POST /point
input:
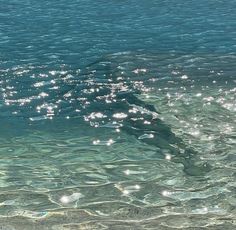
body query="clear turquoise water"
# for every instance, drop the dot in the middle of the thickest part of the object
(117, 114)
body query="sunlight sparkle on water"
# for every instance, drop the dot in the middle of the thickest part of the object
(70, 198)
(127, 190)
(168, 157)
(136, 71)
(110, 142)
(184, 77)
(120, 115)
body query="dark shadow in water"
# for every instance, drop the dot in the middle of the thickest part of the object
(105, 94)
(119, 81)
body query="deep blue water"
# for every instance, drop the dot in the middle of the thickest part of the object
(117, 114)
(76, 32)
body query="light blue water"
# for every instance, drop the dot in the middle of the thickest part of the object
(117, 114)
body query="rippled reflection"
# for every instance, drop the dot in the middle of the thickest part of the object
(133, 137)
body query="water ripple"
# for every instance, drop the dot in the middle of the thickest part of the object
(92, 140)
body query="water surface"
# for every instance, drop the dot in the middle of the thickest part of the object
(117, 115)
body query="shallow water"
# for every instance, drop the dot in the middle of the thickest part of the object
(117, 115)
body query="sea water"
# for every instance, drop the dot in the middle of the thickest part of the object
(117, 114)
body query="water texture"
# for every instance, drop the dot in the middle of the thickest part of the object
(117, 114)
